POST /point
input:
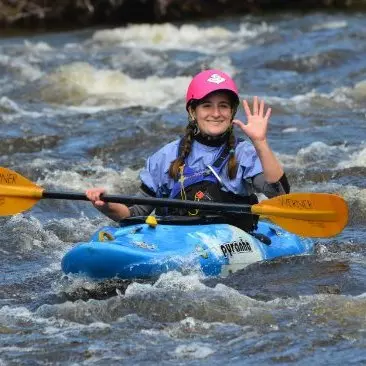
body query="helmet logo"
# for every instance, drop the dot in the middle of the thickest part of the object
(215, 78)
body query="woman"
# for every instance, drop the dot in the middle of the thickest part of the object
(209, 162)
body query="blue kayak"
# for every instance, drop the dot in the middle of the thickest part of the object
(147, 248)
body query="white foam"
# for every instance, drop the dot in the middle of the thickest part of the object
(357, 159)
(80, 84)
(99, 176)
(29, 234)
(163, 36)
(207, 40)
(22, 69)
(316, 154)
(337, 24)
(359, 91)
(194, 350)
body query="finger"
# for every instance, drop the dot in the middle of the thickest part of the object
(261, 108)
(94, 196)
(237, 122)
(99, 203)
(94, 192)
(255, 105)
(240, 124)
(246, 108)
(89, 194)
(268, 113)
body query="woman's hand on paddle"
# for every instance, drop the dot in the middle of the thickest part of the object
(94, 194)
(257, 121)
(115, 211)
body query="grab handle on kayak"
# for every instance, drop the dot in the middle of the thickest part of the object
(105, 236)
(151, 221)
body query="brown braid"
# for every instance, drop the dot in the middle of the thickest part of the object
(232, 164)
(187, 144)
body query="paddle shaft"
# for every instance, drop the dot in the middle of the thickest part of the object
(307, 214)
(156, 202)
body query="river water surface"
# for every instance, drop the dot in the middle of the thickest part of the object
(83, 109)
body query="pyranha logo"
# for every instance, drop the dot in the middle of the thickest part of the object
(239, 246)
(215, 78)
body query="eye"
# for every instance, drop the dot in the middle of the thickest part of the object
(206, 105)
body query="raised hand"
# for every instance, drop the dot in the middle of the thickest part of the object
(257, 121)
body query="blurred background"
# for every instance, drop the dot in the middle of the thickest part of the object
(46, 14)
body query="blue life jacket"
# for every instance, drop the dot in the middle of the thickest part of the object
(190, 177)
(205, 185)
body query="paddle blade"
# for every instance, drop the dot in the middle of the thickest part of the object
(307, 214)
(17, 194)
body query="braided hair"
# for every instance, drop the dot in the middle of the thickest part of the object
(187, 145)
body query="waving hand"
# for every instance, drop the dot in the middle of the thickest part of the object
(257, 121)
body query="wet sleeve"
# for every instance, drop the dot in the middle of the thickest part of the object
(271, 189)
(142, 210)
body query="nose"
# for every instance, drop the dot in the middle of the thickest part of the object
(216, 111)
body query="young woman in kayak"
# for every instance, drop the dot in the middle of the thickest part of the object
(209, 162)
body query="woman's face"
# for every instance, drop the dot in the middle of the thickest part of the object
(213, 114)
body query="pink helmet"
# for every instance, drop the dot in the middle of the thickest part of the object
(207, 82)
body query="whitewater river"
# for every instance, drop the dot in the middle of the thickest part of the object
(83, 109)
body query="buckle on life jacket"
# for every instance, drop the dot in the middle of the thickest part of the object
(199, 195)
(214, 172)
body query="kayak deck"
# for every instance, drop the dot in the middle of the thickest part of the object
(141, 250)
